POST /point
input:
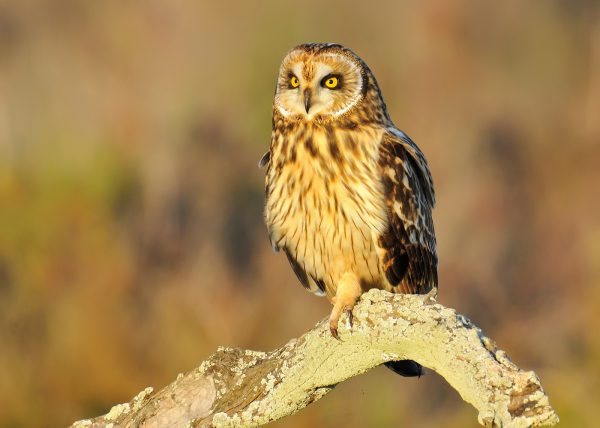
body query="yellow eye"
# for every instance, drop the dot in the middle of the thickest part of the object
(294, 82)
(332, 82)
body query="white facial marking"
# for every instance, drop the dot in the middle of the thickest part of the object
(282, 110)
(292, 103)
(356, 97)
(297, 71)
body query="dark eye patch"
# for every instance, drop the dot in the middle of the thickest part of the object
(292, 81)
(332, 76)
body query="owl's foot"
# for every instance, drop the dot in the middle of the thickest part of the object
(348, 292)
(334, 321)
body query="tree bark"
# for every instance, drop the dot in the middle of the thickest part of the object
(242, 388)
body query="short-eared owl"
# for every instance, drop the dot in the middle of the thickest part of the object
(349, 195)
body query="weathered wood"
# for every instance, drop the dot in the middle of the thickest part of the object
(241, 388)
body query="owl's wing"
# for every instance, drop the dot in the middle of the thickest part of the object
(309, 282)
(266, 158)
(410, 260)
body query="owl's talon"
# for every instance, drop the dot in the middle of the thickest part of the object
(334, 322)
(347, 293)
(334, 332)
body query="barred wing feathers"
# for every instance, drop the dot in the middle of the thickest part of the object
(409, 248)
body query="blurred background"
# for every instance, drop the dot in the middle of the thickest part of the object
(131, 234)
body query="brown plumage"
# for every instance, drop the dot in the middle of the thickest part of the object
(348, 195)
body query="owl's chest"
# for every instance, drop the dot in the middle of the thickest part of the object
(325, 202)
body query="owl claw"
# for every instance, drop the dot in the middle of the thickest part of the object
(333, 323)
(347, 293)
(334, 332)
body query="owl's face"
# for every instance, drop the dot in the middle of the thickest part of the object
(319, 81)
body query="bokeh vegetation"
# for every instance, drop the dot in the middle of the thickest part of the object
(131, 234)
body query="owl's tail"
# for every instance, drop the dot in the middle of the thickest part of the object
(406, 368)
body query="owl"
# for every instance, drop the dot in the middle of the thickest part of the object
(349, 196)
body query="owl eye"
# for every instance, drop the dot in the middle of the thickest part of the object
(331, 82)
(294, 82)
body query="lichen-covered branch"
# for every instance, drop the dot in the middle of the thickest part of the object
(239, 388)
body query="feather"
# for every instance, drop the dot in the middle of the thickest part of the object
(410, 261)
(264, 160)
(309, 282)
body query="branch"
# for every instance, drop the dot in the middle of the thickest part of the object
(240, 388)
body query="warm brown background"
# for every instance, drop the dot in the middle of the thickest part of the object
(131, 234)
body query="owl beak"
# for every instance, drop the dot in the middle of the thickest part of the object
(307, 100)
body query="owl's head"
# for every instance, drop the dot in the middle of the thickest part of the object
(324, 81)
